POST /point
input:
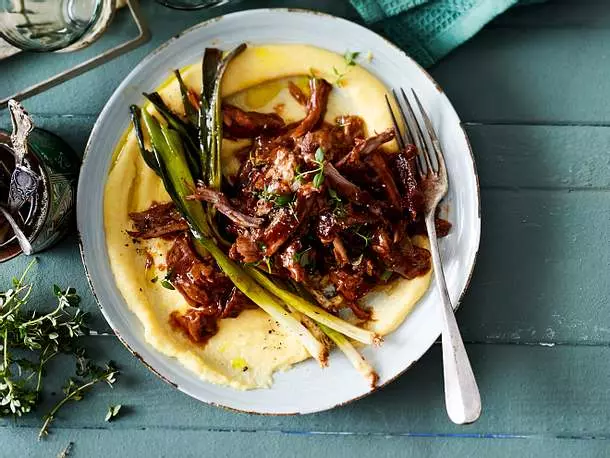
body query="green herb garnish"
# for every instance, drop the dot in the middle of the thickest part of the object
(167, 284)
(304, 258)
(113, 412)
(385, 276)
(318, 178)
(349, 57)
(29, 340)
(89, 375)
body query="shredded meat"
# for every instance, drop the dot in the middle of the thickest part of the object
(297, 93)
(160, 220)
(249, 124)
(385, 175)
(406, 168)
(365, 147)
(222, 204)
(210, 292)
(320, 89)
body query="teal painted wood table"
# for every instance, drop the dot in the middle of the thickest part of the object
(532, 89)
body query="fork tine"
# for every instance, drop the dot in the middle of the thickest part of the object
(438, 152)
(399, 139)
(408, 138)
(422, 146)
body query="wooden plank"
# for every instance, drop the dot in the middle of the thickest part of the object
(541, 271)
(557, 13)
(227, 444)
(505, 75)
(560, 391)
(558, 157)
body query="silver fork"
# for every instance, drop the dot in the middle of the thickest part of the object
(462, 398)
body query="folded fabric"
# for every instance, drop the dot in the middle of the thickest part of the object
(428, 29)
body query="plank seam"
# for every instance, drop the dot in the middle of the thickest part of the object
(419, 434)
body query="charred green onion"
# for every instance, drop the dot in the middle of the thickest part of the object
(313, 311)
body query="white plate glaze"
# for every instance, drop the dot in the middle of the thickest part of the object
(305, 388)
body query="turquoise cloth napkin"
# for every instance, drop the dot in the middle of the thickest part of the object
(428, 29)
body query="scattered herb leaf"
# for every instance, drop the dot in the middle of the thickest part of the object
(350, 57)
(113, 411)
(318, 178)
(385, 276)
(90, 374)
(304, 257)
(65, 452)
(167, 284)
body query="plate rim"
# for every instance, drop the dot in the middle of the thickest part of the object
(151, 56)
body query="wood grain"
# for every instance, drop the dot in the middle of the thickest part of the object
(227, 444)
(531, 391)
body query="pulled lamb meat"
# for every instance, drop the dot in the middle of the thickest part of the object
(314, 202)
(160, 220)
(247, 124)
(208, 291)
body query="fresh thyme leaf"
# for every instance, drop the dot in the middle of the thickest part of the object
(167, 284)
(303, 257)
(385, 276)
(350, 57)
(267, 260)
(363, 235)
(76, 388)
(113, 411)
(319, 155)
(283, 200)
(318, 179)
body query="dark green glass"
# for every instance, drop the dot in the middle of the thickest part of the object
(47, 216)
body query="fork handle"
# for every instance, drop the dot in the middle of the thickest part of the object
(462, 398)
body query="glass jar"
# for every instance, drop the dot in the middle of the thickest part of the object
(50, 25)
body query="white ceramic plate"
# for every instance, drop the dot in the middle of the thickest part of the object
(305, 388)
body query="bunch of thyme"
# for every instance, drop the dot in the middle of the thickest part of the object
(30, 339)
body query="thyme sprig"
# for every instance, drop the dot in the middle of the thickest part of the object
(30, 339)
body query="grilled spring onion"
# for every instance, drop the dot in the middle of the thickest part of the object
(213, 69)
(354, 357)
(209, 67)
(343, 344)
(189, 109)
(214, 121)
(313, 311)
(186, 131)
(178, 181)
(148, 156)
